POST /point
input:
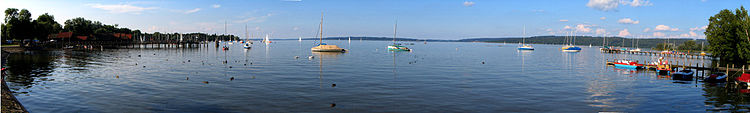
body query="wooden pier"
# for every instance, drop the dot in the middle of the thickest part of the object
(684, 55)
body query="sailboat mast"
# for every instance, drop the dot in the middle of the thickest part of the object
(395, 26)
(524, 35)
(321, 27)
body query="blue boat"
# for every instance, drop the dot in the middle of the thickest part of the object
(571, 49)
(686, 75)
(526, 47)
(627, 66)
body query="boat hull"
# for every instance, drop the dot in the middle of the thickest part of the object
(398, 48)
(687, 76)
(628, 66)
(525, 48)
(327, 48)
(571, 49)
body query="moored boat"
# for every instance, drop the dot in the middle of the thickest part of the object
(398, 47)
(686, 75)
(716, 78)
(571, 49)
(628, 64)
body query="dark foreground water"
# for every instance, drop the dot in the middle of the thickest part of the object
(435, 77)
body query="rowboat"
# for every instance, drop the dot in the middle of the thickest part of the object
(628, 64)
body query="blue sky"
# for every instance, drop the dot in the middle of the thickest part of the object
(423, 19)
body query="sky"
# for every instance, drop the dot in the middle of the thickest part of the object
(421, 19)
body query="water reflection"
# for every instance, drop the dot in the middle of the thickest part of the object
(24, 68)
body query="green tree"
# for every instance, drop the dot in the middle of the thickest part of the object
(18, 24)
(689, 45)
(727, 36)
(44, 25)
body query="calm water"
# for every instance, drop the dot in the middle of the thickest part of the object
(435, 77)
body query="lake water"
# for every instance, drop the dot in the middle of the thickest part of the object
(434, 77)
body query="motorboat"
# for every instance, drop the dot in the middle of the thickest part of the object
(686, 75)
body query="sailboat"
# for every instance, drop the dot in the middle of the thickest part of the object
(523, 45)
(397, 47)
(637, 49)
(300, 39)
(323, 47)
(247, 45)
(265, 40)
(570, 47)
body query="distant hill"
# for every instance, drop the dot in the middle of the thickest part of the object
(586, 40)
(580, 40)
(370, 38)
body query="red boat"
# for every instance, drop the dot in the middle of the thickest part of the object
(745, 78)
(628, 64)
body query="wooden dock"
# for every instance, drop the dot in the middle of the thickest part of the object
(655, 53)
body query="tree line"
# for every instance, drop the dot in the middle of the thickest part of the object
(727, 35)
(19, 25)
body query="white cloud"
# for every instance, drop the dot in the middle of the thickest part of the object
(295, 28)
(624, 33)
(254, 19)
(664, 28)
(647, 29)
(257, 28)
(292, 0)
(611, 5)
(637, 3)
(658, 34)
(628, 21)
(192, 10)
(567, 27)
(216, 6)
(602, 18)
(693, 34)
(699, 28)
(603, 5)
(468, 4)
(601, 31)
(563, 20)
(684, 35)
(121, 8)
(583, 28)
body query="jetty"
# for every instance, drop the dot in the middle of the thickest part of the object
(659, 53)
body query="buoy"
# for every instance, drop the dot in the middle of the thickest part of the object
(230, 66)
(311, 57)
(205, 82)
(231, 79)
(139, 55)
(154, 53)
(245, 64)
(136, 64)
(117, 76)
(482, 62)
(296, 57)
(333, 85)
(188, 60)
(144, 66)
(333, 104)
(187, 78)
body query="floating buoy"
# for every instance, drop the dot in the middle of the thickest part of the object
(136, 64)
(231, 79)
(188, 60)
(205, 82)
(333, 104)
(144, 66)
(311, 57)
(333, 85)
(154, 53)
(230, 66)
(296, 57)
(482, 62)
(117, 76)
(139, 55)
(187, 78)
(245, 64)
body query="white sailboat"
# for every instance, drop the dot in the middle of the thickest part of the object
(300, 39)
(265, 40)
(523, 45)
(323, 47)
(397, 47)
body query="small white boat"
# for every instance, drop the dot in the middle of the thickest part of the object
(247, 46)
